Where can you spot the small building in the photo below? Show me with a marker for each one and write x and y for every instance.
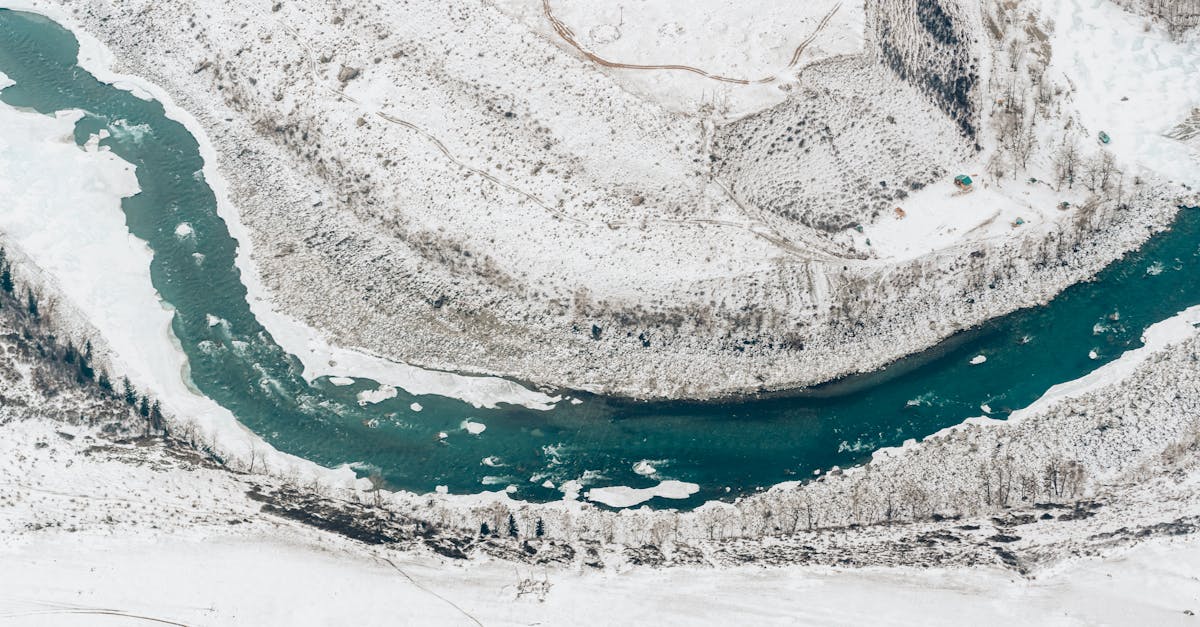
(964, 182)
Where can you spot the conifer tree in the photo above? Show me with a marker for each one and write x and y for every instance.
(144, 407)
(6, 279)
(484, 530)
(512, 527)
(31, 304)
(85, 368)
(540, 529)
(129, 393)
(156, 416)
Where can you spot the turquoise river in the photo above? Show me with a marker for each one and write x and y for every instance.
(729, 449)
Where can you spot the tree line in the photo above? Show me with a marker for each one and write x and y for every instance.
(31, 315)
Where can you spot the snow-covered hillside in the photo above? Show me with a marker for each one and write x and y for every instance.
(519, 188)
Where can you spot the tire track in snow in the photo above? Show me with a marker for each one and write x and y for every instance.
(568, 36)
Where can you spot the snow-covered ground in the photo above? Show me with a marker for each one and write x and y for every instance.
(1131, 80)
(249, 580)
(752, 40)
(1127, 77)
(940, 216)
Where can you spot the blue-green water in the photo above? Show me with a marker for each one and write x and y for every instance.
(740, 445)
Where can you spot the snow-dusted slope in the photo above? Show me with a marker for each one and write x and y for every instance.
(471, 188)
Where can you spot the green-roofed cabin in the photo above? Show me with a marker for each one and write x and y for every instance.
(963, 181)
(1104, 138)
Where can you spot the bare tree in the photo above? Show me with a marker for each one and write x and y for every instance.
(1105, 166)
(1023, 145)
(376, 490)
(998, 165)
(1066, 161)
(256, 455)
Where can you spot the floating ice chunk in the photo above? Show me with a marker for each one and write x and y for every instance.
(624, 496)
(184, 230)
(591, 476)
(570, 490)
(644, 468)
(474, 428)
(856, 447)
(987, 409)
(442, 435)
(136, 132)
(1092, 354)
(491, 460)
(978, 359)
(416, 407)
(212, 320)
(442, 489)
(576, 401)
(341, 381)
(370, 397)
(548, 484)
